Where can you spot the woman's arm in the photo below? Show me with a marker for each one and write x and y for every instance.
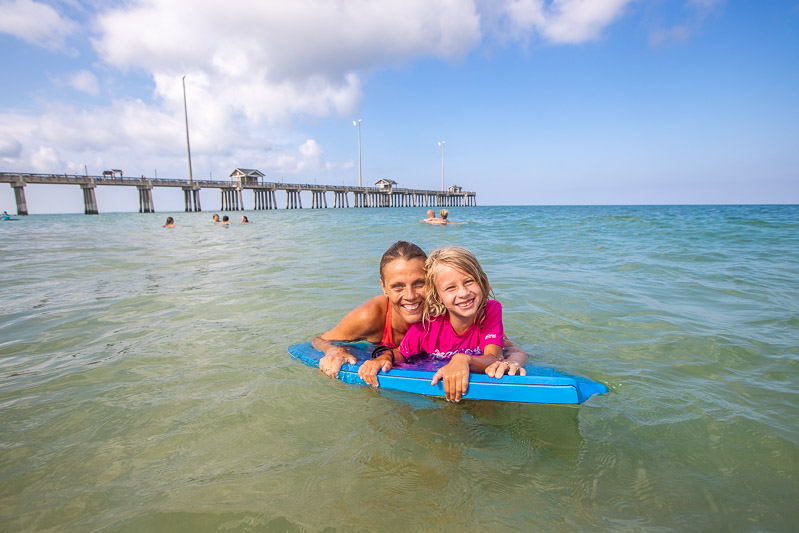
(455, 374)
(364, 322)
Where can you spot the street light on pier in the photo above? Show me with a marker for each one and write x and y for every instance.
(186, 114)
(358, 123)
(441, 144)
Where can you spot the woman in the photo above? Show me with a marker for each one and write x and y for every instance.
(382, 319)
(385, 319)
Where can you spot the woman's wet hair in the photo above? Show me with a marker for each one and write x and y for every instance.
(459, 259)
(444, 214)
(401, 250)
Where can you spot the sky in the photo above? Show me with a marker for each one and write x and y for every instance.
(538, 102)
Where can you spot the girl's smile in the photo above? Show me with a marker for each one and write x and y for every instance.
(461, 295)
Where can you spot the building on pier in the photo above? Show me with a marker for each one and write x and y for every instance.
(247, 176)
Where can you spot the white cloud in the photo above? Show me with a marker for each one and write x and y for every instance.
(35, 22)
(270, 60)
(84, 81)
(563, 21)
(45, 159)
(309, 157)
(10, 148)
(250, 68)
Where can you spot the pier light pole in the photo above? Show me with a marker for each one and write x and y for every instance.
(186, 114)
(358, 123)
(441, 144)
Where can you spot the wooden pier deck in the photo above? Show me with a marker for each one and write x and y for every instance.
(232, 192)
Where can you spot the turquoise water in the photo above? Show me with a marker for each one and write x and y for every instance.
(145, 384)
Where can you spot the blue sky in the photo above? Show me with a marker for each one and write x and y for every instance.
(539, 102)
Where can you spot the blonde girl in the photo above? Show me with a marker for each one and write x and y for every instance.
(462, 322)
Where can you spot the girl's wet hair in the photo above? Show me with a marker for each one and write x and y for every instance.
(401, 250)
(459, 259)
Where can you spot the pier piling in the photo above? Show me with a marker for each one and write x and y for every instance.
(19, 196)
(146, 204)
(89, 199)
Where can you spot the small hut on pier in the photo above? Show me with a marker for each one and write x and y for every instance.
(246, 176)
(385, 185)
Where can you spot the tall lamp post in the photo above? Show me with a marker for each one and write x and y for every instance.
(186, 114)
(358, 123)
(441, 144)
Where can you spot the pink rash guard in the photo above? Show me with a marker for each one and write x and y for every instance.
(440, 340)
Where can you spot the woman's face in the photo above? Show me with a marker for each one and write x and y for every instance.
(460, 292)
(403, 284)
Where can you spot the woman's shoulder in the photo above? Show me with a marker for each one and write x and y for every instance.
(374, 308)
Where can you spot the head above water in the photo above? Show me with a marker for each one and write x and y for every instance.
(444, 214)
(431, 213)
(402, 281)
(400, 250)
(462, 260)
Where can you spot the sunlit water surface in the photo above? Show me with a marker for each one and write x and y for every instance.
(145, 383)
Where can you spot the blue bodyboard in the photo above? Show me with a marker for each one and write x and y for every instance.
(540, 385)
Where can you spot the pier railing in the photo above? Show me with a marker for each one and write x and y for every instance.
(231, 192)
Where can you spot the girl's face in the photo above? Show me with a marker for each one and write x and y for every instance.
(403, 284)
(459, 292)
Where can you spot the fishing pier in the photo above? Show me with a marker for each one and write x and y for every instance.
(383, 194)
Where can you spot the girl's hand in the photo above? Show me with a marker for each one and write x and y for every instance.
(454, 376)
(369, 369)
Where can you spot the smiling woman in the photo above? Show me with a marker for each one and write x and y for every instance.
(382, 319)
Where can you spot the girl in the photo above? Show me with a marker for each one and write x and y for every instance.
(460, 323)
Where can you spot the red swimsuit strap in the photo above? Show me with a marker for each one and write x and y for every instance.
(388, 331)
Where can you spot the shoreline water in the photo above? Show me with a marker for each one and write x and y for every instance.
(145, 382)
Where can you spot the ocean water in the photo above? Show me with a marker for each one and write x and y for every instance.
(145, 383)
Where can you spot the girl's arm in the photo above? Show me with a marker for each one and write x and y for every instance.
(455, 374)
(385, 362)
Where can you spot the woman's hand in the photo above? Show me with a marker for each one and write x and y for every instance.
(369, 369)
(497, 369)
(454, 376)
(334, 357)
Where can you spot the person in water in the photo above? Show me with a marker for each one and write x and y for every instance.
(216, 218)
(225, 220)
(386, 318)
(431, 218)
(383, 319)
(445, 214)
(245, 220)
(462, 322)
(170, 222)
